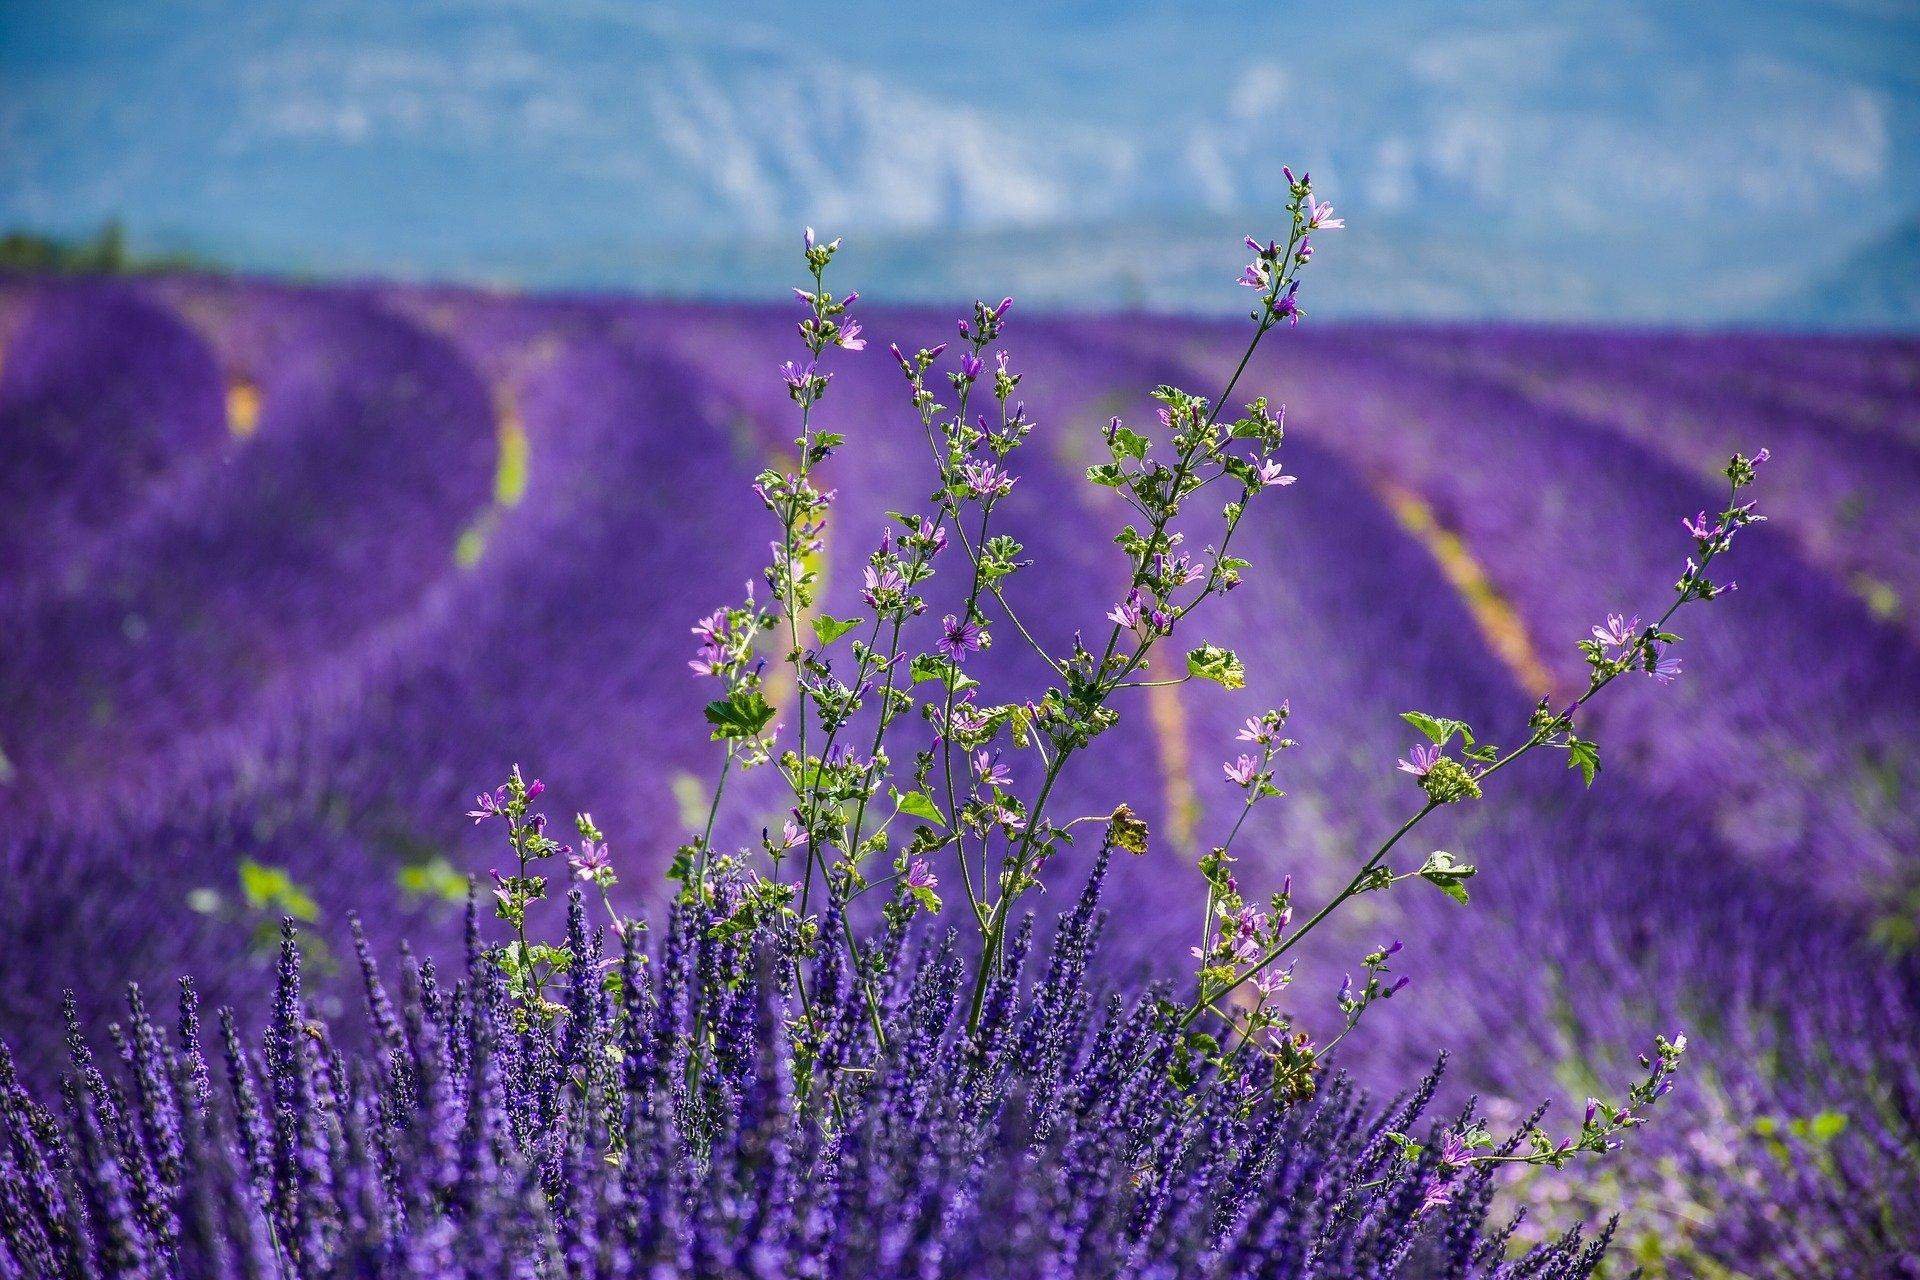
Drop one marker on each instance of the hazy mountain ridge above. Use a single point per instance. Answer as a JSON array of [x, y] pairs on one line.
[[1567, 160]]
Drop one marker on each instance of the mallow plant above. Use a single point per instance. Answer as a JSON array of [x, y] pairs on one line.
[[842, 1051]]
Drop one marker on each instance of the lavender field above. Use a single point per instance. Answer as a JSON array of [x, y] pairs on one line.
[[288, 573]]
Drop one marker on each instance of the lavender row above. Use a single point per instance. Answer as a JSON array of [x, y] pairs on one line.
[[1845, 487], [1795, 741]]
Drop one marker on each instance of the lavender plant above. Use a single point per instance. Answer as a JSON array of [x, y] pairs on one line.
[[559, 1108], [658, 1127]]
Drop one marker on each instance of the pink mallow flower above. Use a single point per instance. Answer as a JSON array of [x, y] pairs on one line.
[[1618, 632], [883, 581], [488, 805], [987, 767], [1701, 529], [958, 639], [593, 861], [986, 479], [1272, 475], [1421, 759], [1320, 216]]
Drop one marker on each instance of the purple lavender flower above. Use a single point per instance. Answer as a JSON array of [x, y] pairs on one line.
[[302, 1148]]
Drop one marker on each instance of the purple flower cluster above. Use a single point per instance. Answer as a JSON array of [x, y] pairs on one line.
[[684, 1113]]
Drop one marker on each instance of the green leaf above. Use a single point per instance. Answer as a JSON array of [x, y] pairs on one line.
[[931, 666], [1222, 666], [919, 805], [1127, 830], [1447, 875], [1128, 444], [827, 628], [1108, 474], [1438, 728], [743, 715], [1584, 756]]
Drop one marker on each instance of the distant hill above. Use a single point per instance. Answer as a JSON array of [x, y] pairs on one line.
[[1556, 159]]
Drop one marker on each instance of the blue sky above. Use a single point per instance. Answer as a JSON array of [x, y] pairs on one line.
[[1545, 158]]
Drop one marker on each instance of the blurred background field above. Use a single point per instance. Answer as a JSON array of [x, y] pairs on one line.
[[404, 419]]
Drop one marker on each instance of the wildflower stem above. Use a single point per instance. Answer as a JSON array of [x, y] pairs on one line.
[[1011, 880], [1540, 736], [706, 834], [997, 928]]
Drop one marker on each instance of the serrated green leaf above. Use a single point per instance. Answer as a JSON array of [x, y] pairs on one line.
[[1439, 729], [931, 666], [1584, 756], [1128, 444], [919, 805], [1448, 875], [827, 628], [743, 715], [1222, 666]]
